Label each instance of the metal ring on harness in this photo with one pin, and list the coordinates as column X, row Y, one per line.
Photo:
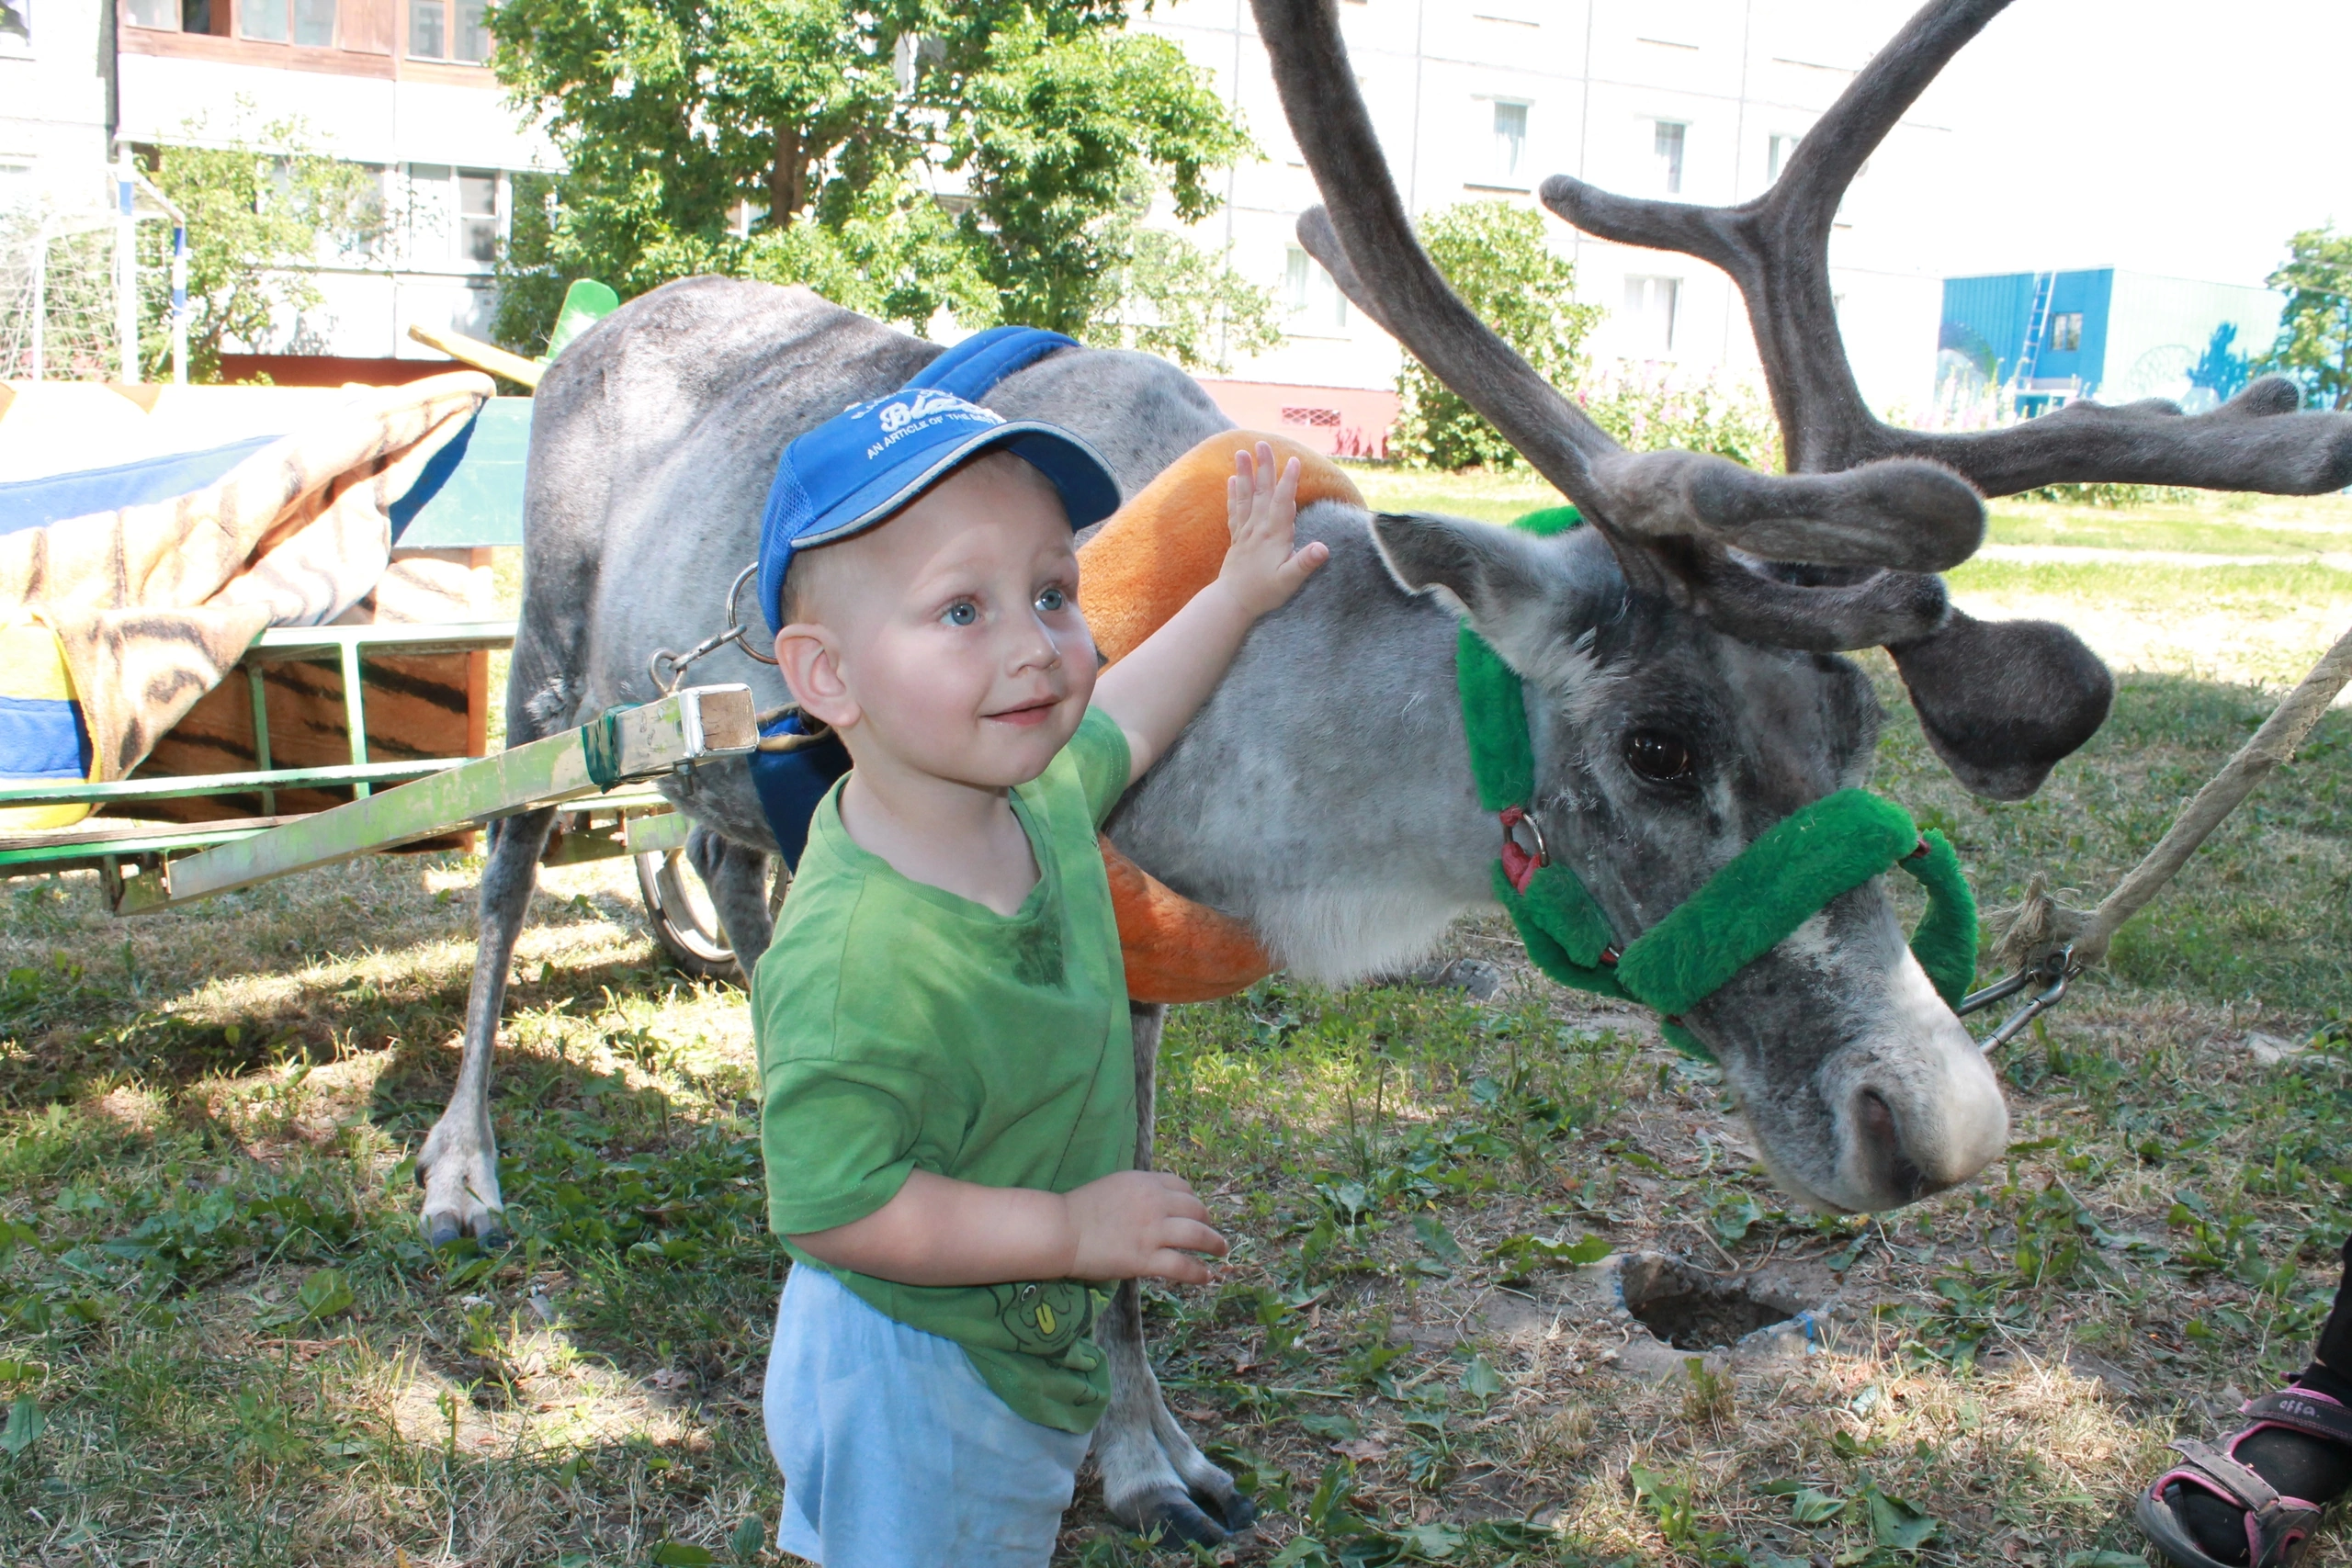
column 2054, row 972
column 677, row 663
column 736, row 622
column 1524, row 834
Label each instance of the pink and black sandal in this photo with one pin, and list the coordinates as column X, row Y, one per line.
column 2277, row 1525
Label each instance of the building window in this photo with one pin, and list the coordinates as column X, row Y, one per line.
column 429, row 224
column 1510, row 143
column 1649, row 313
column 1316, row 306
column 1667, row 145
column 305, row 22
column 457, row 218
column 1776, row 154
column 473, row 30
column 449, row 30
column 367, row 238
column 478, row 227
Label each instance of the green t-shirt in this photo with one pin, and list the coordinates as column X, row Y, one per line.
column 902, row 1027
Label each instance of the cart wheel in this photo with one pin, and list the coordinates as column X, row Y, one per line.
column 685, row 920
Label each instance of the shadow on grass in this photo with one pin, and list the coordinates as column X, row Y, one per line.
column 652, row 1204
column 61, row 1059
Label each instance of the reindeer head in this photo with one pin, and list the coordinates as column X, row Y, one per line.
column 1684, row 647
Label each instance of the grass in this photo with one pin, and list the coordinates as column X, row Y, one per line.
column 1490, row 497
column 2261, row 625
column 2218, row 525
column 222, row 1340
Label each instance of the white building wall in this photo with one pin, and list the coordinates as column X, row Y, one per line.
column 53, row 100
column 1597, row 77
column 422, row 138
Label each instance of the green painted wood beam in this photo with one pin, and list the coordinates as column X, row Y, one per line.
column 286, row 644
column 673, row 733
column 127, row 791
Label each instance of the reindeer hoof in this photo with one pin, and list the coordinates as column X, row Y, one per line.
column 458, row 1171
column 1238, row 1509
column 1196, row 1518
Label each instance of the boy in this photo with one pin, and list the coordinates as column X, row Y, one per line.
column 949, row 1113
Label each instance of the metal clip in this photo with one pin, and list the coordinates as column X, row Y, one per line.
column 737, row 632
column 2052, row 974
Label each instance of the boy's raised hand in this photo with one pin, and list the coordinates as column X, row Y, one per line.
column 1263, row 569
column 1155, row 690
column 1140, row 1223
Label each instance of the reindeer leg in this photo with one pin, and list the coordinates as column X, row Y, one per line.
column 458, row 1165
column 738, row 880
column 1154, row 1478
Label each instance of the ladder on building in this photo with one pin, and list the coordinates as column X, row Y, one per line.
column 2037, row 327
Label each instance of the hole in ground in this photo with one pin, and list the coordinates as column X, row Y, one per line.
column 1693, row 1309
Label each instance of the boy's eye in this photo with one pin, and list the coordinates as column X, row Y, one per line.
column 963, row 612
column 1053, row 601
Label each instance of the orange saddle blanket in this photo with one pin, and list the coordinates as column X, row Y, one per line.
column 1140, row 568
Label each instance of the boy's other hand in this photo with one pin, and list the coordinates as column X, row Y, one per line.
column 1262, row 568
column 1140, row 1223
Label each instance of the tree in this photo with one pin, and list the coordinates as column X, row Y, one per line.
column 2315, row 342
column 261, row 212
column 991, row 158
column 1173, row 298
column 1494, row 254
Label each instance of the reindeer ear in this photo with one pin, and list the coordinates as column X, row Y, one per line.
column 1512, row 586
column 2003, row 702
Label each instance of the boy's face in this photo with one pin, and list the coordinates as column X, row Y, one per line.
column 947, row 641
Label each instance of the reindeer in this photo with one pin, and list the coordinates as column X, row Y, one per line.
column 1681, row 653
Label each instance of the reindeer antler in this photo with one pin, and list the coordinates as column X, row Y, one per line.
column 2001, row 702
column 1776, row 248
column 1672, row 516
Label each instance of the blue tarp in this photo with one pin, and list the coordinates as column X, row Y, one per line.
column 34, row 503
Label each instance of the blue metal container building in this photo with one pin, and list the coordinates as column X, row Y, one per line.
column 2050, row 337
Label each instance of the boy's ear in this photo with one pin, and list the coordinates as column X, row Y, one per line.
column 811, row 664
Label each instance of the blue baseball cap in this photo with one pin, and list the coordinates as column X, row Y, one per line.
column 863, row 463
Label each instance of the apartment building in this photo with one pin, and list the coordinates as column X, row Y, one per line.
column 56, row 103
column 1696, row 100
column 1701, row 100
column 401, row 86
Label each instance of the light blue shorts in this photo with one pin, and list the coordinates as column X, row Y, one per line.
column 894, row 1454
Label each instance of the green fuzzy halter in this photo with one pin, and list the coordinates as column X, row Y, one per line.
column 1790, row 871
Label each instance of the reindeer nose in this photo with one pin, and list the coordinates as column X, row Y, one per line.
column 1887, row 1164
column 1916, row 1114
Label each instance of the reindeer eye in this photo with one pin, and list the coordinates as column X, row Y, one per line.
column 1657, row 757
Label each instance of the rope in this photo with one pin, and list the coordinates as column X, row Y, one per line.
column 2039, row 925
